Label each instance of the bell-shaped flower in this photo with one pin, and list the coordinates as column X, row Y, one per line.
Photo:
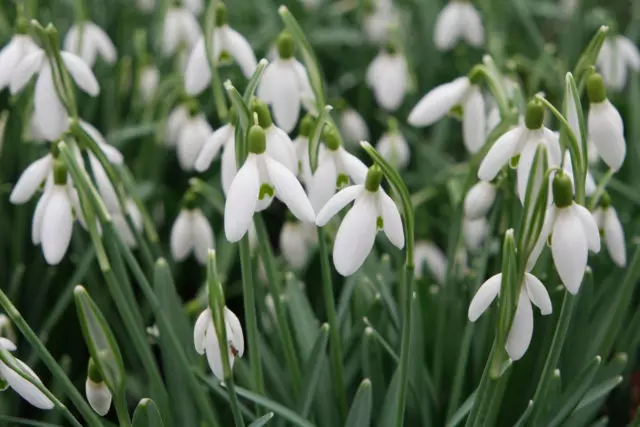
column 191, row 232
column 257, row 182
column 223, row 138
column 148, row 82
column 122, row 226
column 522, row 140
column 458, row 20
column 352, row 126
column 474, row 233
column 180, row 29
column 532, row 290
column 380, row 17
column 285, row 85
column 20, row 46
column 176, row 120
column 89, row 41
column 479, row 200
column 605, row 126
column 617, row 56
column 606, row 217
column 301, row 146
column 437, row 103
column 430, row 258
column 336, row 167
column 97, row 392
column 206, row 340
column 394, row 149
column 192, row 137
column 372, row 210
column 49, row 112
column 227, row 43
column 387, row 77
column 26, row 389
column 573, row 233
column 296, row 242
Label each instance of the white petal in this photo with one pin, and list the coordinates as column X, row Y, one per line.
column 170, row 32
column 112, row 153
column 392, row 222
column 307, row 97
column 175, row 122
column 479, row 200
column 10, row 56
column 614, row 237
column 234, row 331
column 212, row 146
column 394, row 149
column 280, row 147
column 355, row 236
column 81, row 73
column 241, row 200
column 24, row 388
column 474, row 120
column 25, row 70
column 103, row 44
column 448, row 27
column 521, row 330
column 30, row 180
column 547, row 227
column 36, row 222
column 180, row 240
column 197, row 76
column 266, row 90
column 214, row 356
column 500, row 153
column 192, row 138
column 228, row 164
column 323, row 184
column 57, row 226
column 105, row 187
column 6, row 343
column 337, row 203
column 606, row 132
column 353, row 127
column 629, row 51
column 538, row 293
column 290, row 191
column 474, row 232
column 525, row 163
column 293, row 245
column 472, row 29
column 438, row 102
column 286, row 103
column 99, row 396
column 569, row 249
column 240, row 49
column 590, row 227
column 484, row 297
column 49, row 113
column 201, row 235
column 353, row 166
column 199, row 330
column 428, row 255
column 389, row 91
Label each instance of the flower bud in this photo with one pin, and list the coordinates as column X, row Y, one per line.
column 257, row 140
column 374, row 178
column 98, row 394
column 562, row 190
column 534, row 116
column 595, row 89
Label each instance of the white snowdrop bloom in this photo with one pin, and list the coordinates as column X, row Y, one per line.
column 608, row 222
column 97, row 392
column 49, row 112
column 372, row 210
column 148, row 83
column 387, row 77
column 429, row 257
column 24, row 388
column 227, row 44
column 296, row 242
column 617, row 56
column 258, row 181
column 394, row 149
column 206, row 340
column 380, row 18
column 605, row 126
column 146, row 5
column 192, row 137
column 88, row 41
column 195, row 6
column 223, row 138
column 19, row 48
column 352, row 126
column 479, row 200
column 285, row 85
column 573, row 233
column 175, row 122
column 437, row 103
column 336, row 168
column 532, row 290
column 523, row 140
column 301, row 146
column 180, row 29
column 590, row 183
column 122, row 226
column 191, row 232
column 474, row 233
column 458, row 20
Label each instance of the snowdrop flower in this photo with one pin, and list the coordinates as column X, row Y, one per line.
column 175, row 122
column 436, row 104
column 428, row 257
column 279, row 145
column 605, row 125
column 192, row 137
column 89, row 41
column 352, row 126
column 223, row 138
column 26, row 389
column 122, row 226
column 336, row 167
column 19, row 48
column 372, row 210
column 227, row 43
column 617, row 55
column 285, row 85
column 257, row 182
column 191, row 232
column 590, row 182
column 474, row 233
column 206, row 340
column 532, row 290
column 387, row 77
column 394, row 148
column 180, row 28
column 49, row 112
column 522, row 140
column 458, row 20
column 380, row 18
column 608, row 222
column 301, row 146
column 148, row 83
column 296, row 241
column 479, row 200
column 573, row 233
column 97, row 392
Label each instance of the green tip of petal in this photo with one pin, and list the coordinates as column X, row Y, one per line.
column 331, row 138
column 59, row 172
column 374, row 178
column 534, row 116
column 257, row 140
column 562, row 190
column 221, row 15
column 286, row 45
column 595, row 89
column 262, row 111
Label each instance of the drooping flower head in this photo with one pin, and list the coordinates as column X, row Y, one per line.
column 617, row 57
column 394, row 148
column 97, row 392
column 479, row 200
column 296, row 242
column 387, row 77
column 223, row 138
column 180, row 29
column 191, row 232
column 20, row 46
column 458, row 20
column 352, row 126
column 380, row 17
column 606, row 217
column 89, row 42
column 429, row 257
column 193, row 135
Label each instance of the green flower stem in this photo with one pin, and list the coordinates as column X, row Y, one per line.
column 122, row 411
column 78, row 400
column 274, row 282
column 334, row 327
column 484, row 391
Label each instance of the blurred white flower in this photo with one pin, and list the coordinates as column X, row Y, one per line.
column 206, row 340
column 191, row 232
column 223, row 138
column 617, row 56
column 148, row 83
column 394, row 149
column 88, row 41
column 175, row 122
column 122, row 226
column 458, row 20
column 387, row 77
column 353, row 127
column 607, row 219
column 474, row 233
column 379, row 20
column 195, row 6
column 429, row 257
column 479, row 200
column 296, row 242
column 180, row 29
column 19, row 48
column 146, row 5
column 193, row 135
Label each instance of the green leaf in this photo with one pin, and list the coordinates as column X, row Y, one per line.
column 262, row 420
column 598, row 392
column 254, row 81
column 522, row 421
column 243, row 113
column 147, row 415
column 462, row 411
column 314, row 141
column 360, row 412
column 316, row 363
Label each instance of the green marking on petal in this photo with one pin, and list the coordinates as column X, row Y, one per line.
column 457, row 112
column 513, row 162
column 380, row 223
column 225, row 58
column 266, row 190
column 342, row 180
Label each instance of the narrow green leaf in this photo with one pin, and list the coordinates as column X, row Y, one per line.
column 598, row 392
column 314, row 366
column 314, row 141
column 462, row 411
column 360, row 412
column 147, row 415
column 244, row 116
column 262, row 420
column 254, row 81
